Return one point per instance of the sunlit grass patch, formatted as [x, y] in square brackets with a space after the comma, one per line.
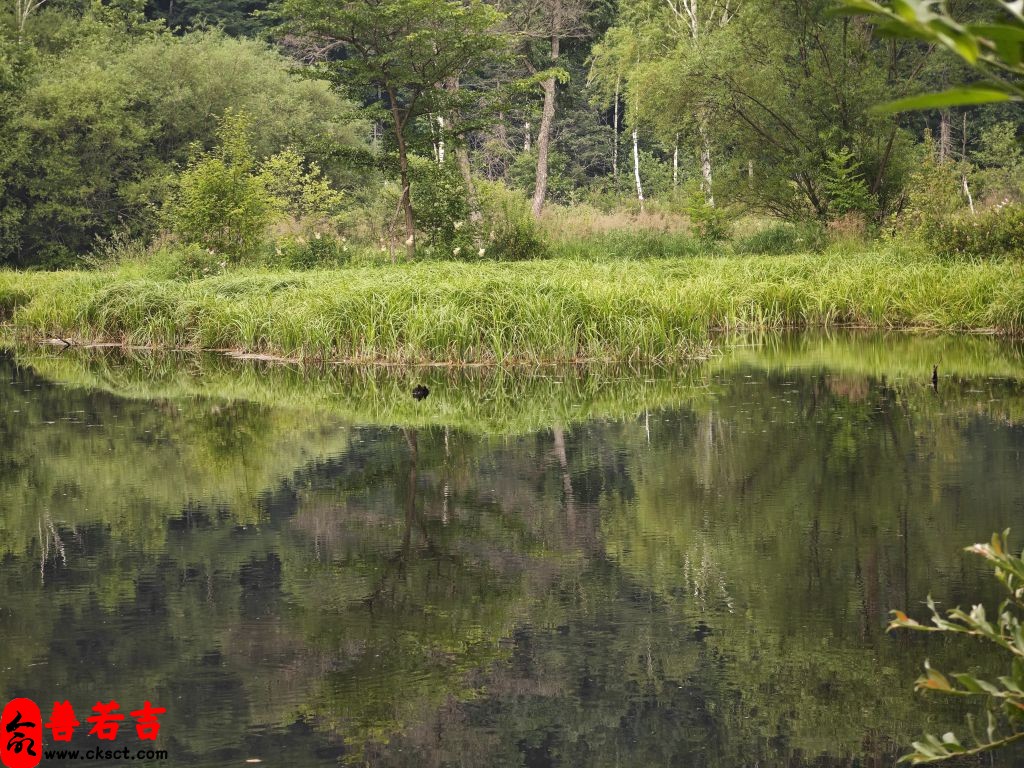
[558, 310]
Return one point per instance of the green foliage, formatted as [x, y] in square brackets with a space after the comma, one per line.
[539, 311]
[707, 222]
[626, 244]
[994, 49]
[185, 262]
[301, 189]
[782, 238]
[316, 250]
[845, 185]
[408, 50]
[934, 190]
[512, 232]
[1004, 696]
[442, 207]
[221, 202]
[998, 231]
[101, 125]
[1001, 175]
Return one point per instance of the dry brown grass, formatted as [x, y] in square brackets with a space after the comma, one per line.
[583, 220]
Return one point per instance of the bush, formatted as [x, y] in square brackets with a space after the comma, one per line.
[706, 221]
[316, 250]
[441, 207]
[185, 262]
[512, 232]
[300, 189]
[221, 203]
[845, 186]
[995, 232]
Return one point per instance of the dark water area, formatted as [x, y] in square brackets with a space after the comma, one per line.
[619, 568]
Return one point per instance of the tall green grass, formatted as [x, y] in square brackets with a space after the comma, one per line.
[557, 310]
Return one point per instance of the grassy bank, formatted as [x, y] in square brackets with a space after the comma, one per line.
[556, 310]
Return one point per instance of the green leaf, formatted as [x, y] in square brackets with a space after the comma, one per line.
[954, 97]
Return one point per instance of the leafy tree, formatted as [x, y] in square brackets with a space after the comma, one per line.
[222, 203]
[405, 48]
[96, 132]
[235, 17]
[301, 189]
[845, 186]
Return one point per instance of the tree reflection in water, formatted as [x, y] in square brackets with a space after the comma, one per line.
[684, 568]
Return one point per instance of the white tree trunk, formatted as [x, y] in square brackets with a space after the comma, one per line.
[636, 170]
[967, 193]
[526, 137]
[440, 140]
[705, 167]
[615, 125]
[675, 163]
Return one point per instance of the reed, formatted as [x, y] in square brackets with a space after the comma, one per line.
[557, 310]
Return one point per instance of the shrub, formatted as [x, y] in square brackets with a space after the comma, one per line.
[845, 186]
[308, 252]
[221, 203]
[934, 190]
[185, 262]
[706, 221]
[302, 192]
[995, 232]
[512, 232]
[441, 206]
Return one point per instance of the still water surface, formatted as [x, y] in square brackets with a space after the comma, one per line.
[609, 568]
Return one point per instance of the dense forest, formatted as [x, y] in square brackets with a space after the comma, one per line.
[308, 132]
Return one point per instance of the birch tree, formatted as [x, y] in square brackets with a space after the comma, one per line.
[666, 33]
[22, 10]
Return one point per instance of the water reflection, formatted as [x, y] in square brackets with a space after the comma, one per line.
[600, 568]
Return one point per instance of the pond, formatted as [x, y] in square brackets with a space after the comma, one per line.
[608, 567]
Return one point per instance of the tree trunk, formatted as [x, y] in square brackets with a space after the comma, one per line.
[527, 146]
[636, 170]
[540, 188]
[706, 177]
[440, 140]
[945, 137]
[403, 169]
[967, 193]
[675, 163]
[462, 157]
[615, 126]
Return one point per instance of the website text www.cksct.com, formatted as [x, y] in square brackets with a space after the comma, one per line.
[104, 753]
